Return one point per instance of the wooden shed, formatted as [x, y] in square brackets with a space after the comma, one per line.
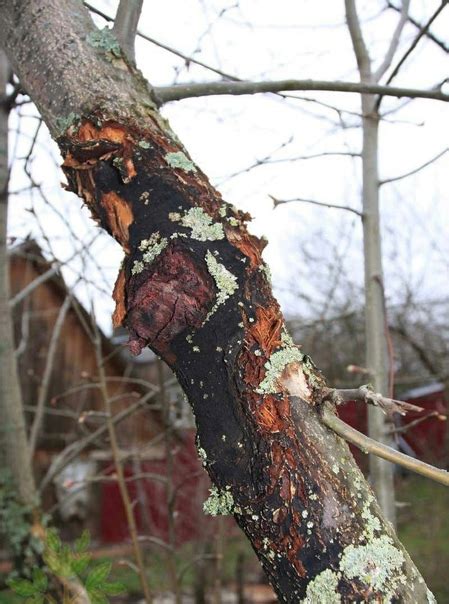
[74, 410]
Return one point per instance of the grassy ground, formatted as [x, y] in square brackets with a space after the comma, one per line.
[424, 531]
[423, 521]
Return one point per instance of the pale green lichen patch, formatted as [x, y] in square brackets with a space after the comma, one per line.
[181, 161]
[151, 248]
[219, 503]
[64, 123]
[225, 281]
[377, 564]
[323, 589]
[203, 228]
[105, 40]
[144, 144]
[372, 523]
[202, 455]
[275, 366]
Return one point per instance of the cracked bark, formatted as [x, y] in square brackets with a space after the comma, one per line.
[194, 288]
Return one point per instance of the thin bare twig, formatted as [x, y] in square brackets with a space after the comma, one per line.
[125, 25]
[119, 467]
[267, 160]
[421, 33]
[416, 422]
[188, 59]
[49, 365]
[415, 170]
[394, 42]
[366, 395]
[278, 202]
[368, 445]
[419, 26]
[73, 450]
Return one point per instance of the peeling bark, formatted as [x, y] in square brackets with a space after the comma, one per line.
[194, 288]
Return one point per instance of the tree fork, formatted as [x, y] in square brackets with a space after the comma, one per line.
[194, 288]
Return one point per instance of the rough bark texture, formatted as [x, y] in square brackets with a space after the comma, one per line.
[194, 288]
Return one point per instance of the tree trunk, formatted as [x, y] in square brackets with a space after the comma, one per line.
[194, 288]
[381, 471]
[14, 455]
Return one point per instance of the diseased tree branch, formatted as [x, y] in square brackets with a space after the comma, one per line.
[278, 202]
[125, 25]
[254, 396]
[415, 170]
[185, 91]
[368, 445]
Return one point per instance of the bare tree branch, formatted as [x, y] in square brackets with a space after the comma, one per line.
[278, 202]
[416, 422]
[125, 25]
[365, 394]
[118, 465]
[186, 91]
[368, 445]
[170, 49]
[358, 43]
[49, 363]
[394, 42]
[267, 160]
[415, 170]
[73, 450]
[419, 26]
[421, 33]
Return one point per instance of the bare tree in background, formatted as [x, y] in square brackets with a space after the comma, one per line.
[14, 452]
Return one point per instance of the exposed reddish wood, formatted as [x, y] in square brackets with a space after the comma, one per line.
[118, 296]
[119, 217]
[250, 245]
[266, 330]
[161, 305]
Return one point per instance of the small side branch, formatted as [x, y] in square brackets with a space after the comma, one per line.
[394, 43]
[415, 170]
[188, 59]
[125, 25]
[419, 26]
[49, 365]
[358, 43]
[402, 429]
[185, 91]
[368, 445]
[366, 395]
[278, 202]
